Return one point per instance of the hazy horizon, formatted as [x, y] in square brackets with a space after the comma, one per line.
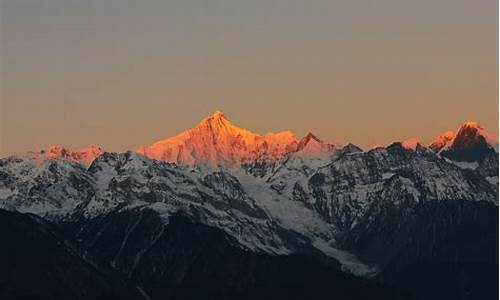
[365, 147]
[120, 74]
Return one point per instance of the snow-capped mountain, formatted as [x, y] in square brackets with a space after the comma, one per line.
[58, 188]
[44, 185]
[442, 140]
[217, 142]
[85, 155]
[271, 194]
[311, 145]
[346, 190]
[470, 143]
[259, 218]
[410, 143]
[470, 147]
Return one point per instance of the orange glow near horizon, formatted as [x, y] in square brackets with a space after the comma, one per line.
[121, 74]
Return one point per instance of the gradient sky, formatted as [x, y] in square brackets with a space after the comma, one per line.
[121, 73]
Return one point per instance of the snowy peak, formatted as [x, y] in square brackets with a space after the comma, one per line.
[470, 124]
[85, 155]
[312, 145]
[217, 124]
[410, 144]
[217, 118]
[89, 154]
[56, 151]
[350, 148]
[217, 115]
[442, 140]
[473, 132]
[309, 139]
[215, 141]
[470, 143]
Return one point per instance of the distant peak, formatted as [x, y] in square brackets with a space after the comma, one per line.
[471, 124]
[350, 148]
[312, 145]
[310, 136]
[307, 139]
[218, 114]
[471, 142]
[55, 150]
[216, 119]
[84, 155]
[443, 140]
[448, 134]
[215, 141]
[410, 143]
[471, 131]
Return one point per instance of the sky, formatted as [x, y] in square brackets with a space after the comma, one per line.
[123, 73]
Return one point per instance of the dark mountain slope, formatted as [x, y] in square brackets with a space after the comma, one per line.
[440, 250]
[188, 260]
[36, 262]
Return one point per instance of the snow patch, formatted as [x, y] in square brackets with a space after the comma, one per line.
[464, 165]
[387, 175]
[350, 263]
[492, 180]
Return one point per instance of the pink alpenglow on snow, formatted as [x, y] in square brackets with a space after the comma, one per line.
[488, 136]
[215, 141]
[410, 144]
[442, 140]
[467, 132]
[85, 155]
[312, 145]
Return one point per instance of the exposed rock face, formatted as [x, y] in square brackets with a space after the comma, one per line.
[452, 244]
[49, 187]
[345, 190]
[471, 143]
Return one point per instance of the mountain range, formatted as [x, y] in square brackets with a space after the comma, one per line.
[226, 213]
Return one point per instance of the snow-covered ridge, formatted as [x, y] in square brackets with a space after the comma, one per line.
[468, 133]
[303, 199]
[443, 140]
[215, 141]
[84, 155]
[272, 192]
[410, 143]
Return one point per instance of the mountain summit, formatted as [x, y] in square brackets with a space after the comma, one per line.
[85, 155]
[312, 145]
[471, 142]
[215, 141]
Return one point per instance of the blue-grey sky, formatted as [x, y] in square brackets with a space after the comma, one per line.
[121, 73]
